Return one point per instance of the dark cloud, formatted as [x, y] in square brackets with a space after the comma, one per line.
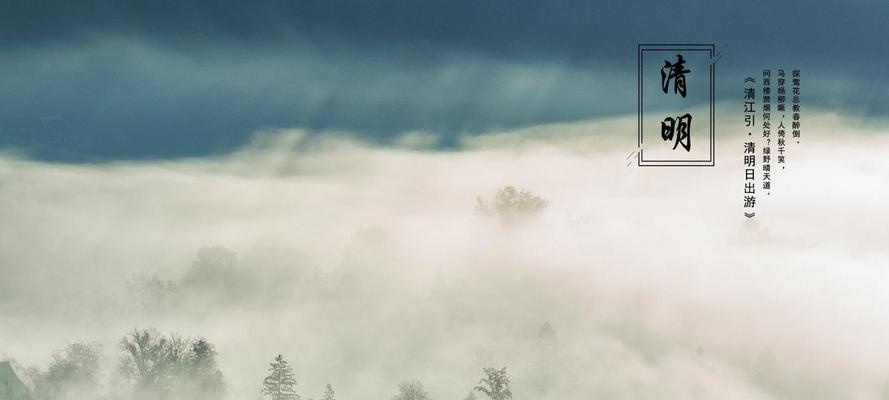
[109, 80]
[574, 29]
[121, 98]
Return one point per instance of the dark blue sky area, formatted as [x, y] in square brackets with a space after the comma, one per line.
[107, 80]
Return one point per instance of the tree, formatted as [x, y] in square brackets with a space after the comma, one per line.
[328, 393]
[280, 382]
[411, 390]
[151, 292]
[546, 331]
[200, 377]
[511, 204]
[495, 384]
[73, 373]
[217, 274]
[150, 358]
[169, 366]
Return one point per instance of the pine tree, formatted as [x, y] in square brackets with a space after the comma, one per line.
[280, 382]
[328, 393]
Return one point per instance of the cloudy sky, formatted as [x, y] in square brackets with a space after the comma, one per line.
[110, 80]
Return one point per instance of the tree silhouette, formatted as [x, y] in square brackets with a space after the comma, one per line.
[511, 204]
[495, 384]
[411, 390]
[201, 375]
[151, 358]
[328, 393]
[170, 367]
[73, 373]
[546, 331]
[280, 382]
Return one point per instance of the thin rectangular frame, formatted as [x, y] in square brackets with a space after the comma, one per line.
[679, 163]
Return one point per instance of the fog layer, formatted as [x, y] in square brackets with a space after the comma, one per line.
[366, 266]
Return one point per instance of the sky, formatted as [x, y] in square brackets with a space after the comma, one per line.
[109, 80]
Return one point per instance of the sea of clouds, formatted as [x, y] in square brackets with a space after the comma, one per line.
[366, 265]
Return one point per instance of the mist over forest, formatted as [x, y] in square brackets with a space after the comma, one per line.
[530, 262]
